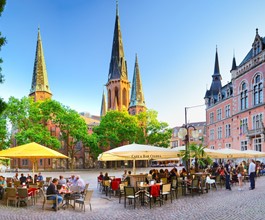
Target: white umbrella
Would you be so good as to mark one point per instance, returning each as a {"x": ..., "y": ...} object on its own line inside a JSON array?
[
  {"x": 137, "y": 152},
  {"x": 231, "y": 153},
  {"x": 253, "y": 153}
]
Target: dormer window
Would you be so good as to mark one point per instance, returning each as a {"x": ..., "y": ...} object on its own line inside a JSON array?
[
  {"x": 219, "y": 96},
  {"x": 228, "y": 92},
  {"x": 212, "y": 100}
]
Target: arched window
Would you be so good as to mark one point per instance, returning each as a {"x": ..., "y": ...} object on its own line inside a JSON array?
[
  {"x": 258, "y": 90},
  {"x": 243, "y": 96},
  {"x": 117, "y": 96},
  {"x": 109, "y": 99}
]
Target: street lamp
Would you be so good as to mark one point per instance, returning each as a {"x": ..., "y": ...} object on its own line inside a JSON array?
[{"x": 184, "y": 134}]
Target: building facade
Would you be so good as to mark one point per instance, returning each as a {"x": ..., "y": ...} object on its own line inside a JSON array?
[
  {"x": 235, "y": 111},
  {"x": 175, "y": 141}
]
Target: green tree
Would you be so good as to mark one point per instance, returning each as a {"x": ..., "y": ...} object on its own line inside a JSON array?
[
  {"x": 73, "y": 131},
  {"x": 116, "y": 128},
  {"x": 4, "y": 138},
  {"x": 152, "y": 131},
  {"x": 29, "y": 122}
]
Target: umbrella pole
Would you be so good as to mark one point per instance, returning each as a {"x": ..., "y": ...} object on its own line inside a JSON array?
[{"x": 134, "y": 170}]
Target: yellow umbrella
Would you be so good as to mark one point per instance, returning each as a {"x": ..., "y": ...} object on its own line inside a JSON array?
[{"x": 31, "y": 151}]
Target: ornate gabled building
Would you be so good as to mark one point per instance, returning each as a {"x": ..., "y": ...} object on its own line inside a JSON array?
[
  {"x": 40, "y": 89},
  {"x": 118, "y": 85},
  {"x": 235, "y": 111}
]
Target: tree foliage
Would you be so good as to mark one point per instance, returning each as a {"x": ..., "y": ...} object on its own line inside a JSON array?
[
  {"x": 29, "y": 122},
  {"x": 116, "y": 128},
  {"x": 152, "y": 131}
]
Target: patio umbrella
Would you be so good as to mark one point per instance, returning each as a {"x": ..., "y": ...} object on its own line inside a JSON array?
[
  {"x": 253, "y": 153},
  {"x": 137, "y": 152},
  {"x": 31, "y": 151},
  {"x": 231, "y": 153}
]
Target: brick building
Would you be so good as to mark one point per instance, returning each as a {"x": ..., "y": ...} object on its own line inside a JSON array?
[{"x": 235, "y": 111}]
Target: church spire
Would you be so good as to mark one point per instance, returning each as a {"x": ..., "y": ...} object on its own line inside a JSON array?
[
  {"x": 40, "y": 89},
  {"x": 234, "y": 66},
  {"x": 137, "y": 102},
  {"x": 216, "y": 79},
  {"x": 103, "y": 110},
  {"x": 118, "y": 66}
]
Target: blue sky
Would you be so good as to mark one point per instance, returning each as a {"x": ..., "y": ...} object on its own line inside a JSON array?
[{"x": 175, "y": 42}]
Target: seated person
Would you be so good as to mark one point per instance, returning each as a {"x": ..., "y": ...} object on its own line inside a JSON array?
[
  {"x": 29, "y": 179},
  {"x": 22, "y": 179},
  {"x": 2, "y": 187},
  {"x": 72, "y": 180},
  {"x": 16, "y": 178},
  {"x": 124, "y": 175},
  {"x": 128, "y": 178},
  {"x": 183, "y": 172},
  {"x": 106, "y": 177},
  {"x": 35, "y": 178},
  {"x": 80, "y": 182},
  {"x": 52, "y": 189},
  {"x": 62, "y": 180},
  {"x": 100, "y": 177},
  {"x": 40, "y": 177}
]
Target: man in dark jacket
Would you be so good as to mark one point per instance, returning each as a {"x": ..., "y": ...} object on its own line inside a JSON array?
[{"x": 52, "y": 190}]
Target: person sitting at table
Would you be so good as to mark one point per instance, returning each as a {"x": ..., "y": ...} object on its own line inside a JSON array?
[
  {"x": 80, "y": 182},
  {"x": 52, "y": 189},
  {"x": 40, "y": 177},
  {"x": 62, "y": 180},
  {"x": 128, "y": 178},
  {"x": 16, "y": 178},
  {"x": 106, "y": 177},
  {"x": 22, "y": 179},
  {"x": 2, "y": 187},
  {"x": 183, "y": 172},
  {"x": 100, "y": 177},
  {"x": 124, "y": 175},
  {"x": 149, "y": 176},
  {"x": 72, "y": 180},
  {"x": 35, "y": 178}
]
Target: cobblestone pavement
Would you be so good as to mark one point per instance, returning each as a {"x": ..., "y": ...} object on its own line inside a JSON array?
[{"x": 217, "y": 204}]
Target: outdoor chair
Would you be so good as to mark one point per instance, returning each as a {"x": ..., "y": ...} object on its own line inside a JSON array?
[
  {"x": 11, "y": 195},
  {"x": 210, "y": 182},
  {"x": 114, "y": 187},
  {"x": 130, "y": 194},
  {"x": 174, "y": 187},
  {"x": 46, "y": 199},
  {"x": 194, "y": 187},
  {"x": 17, "y": 183},
  {"x": 23, "y": 196},
  {"x": 121, "y": 191},
  {"x": 83, "y": 193},
  {"x": 163, "y": 180},
  {"x": 219, "y": 181},
  {"x": 85, "y": 200},
  {"x": 106, "y": 186},
  {"x": 165, "y": 191},
  {"x": 203, "y": 186},
  {"x": 153, "y": 194},
  {"x": 36, "y": 192}
]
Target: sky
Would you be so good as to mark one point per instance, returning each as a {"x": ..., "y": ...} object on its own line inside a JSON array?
[{"x": 175, "y": 42}]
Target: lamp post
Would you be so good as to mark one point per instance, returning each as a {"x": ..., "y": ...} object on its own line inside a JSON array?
[{"x": 184, "y": 135}]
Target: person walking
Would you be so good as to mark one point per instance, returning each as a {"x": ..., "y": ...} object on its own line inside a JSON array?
[
  {"x": 251, "y": 173},
  {"x": 240, "y": 173},
  {"x": 227, "y": 175}
]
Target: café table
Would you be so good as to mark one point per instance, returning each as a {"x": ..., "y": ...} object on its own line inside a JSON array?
[{"x": 154, "y": 191}]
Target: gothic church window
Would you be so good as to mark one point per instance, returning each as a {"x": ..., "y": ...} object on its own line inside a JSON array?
[
  {"x": 243, "y": 96},
  {"x": 258, "y": 90}
]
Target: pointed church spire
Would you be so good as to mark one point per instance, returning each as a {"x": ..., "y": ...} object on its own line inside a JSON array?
[
  {"x": 117, "y": 8},
  {"x": 216, "y": 81},
  {"x": 234, "y": 66},
  {"x": 216, "y": 65},
  {"x": 40, "y": 86},
  {"x": 118, "y": 66},
  {"x": 137, "y": 94},
  {"x": 103, "y": 110}
]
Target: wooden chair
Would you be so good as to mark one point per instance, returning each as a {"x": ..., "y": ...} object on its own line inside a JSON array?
[
  {"x": 163, "y": 180},
  {"x": 121, "y": 191},
  {"x": 11, "y": 195},
  {"x": 36, "y": 192},
  {"x": 130, "y": 194},
  {"x": 174, "y": 187},
  {"x": 194, "y": 187},
  {"x": 17, "y": 183},
  {"x": 85, "y": 200},
  {"x": 106, "y": 186},
  {"x": 46, "y": 199},
  {"x": 165, "y": 191},
  {"x": 23, "y": 196}
]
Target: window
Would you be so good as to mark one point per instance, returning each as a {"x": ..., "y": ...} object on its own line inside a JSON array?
[
  {"x": 49, "y": 161},
  {"x": 219, "y": 96},
  {"x": 243, "y": 126},
  {"x": 212, "y": 134},
  {"x": 174, "y": 144},
  {"x": 243, "y": 96},
  {"x": 228, "y": 145},
  {"x": 257, "y": 121},
  {"x": 175, "y": 134},
  {"x": 41, "y": 162},
  {"x": 257, "y": 144},
  {"x": 219, "y": 132},
  {"x": 227, "y": 130},
  {"x": 219, "y": 114},
  {"x": 24, "y": 162},
  {"x": 258, "y": 90},
  {"x": 227, "y": 111},
  {"x": 211, "y": 117},
  {"x": 212, "y": 147},
  {"x": 244, "y": 145},
  {"x": 228, "y": 92}
]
